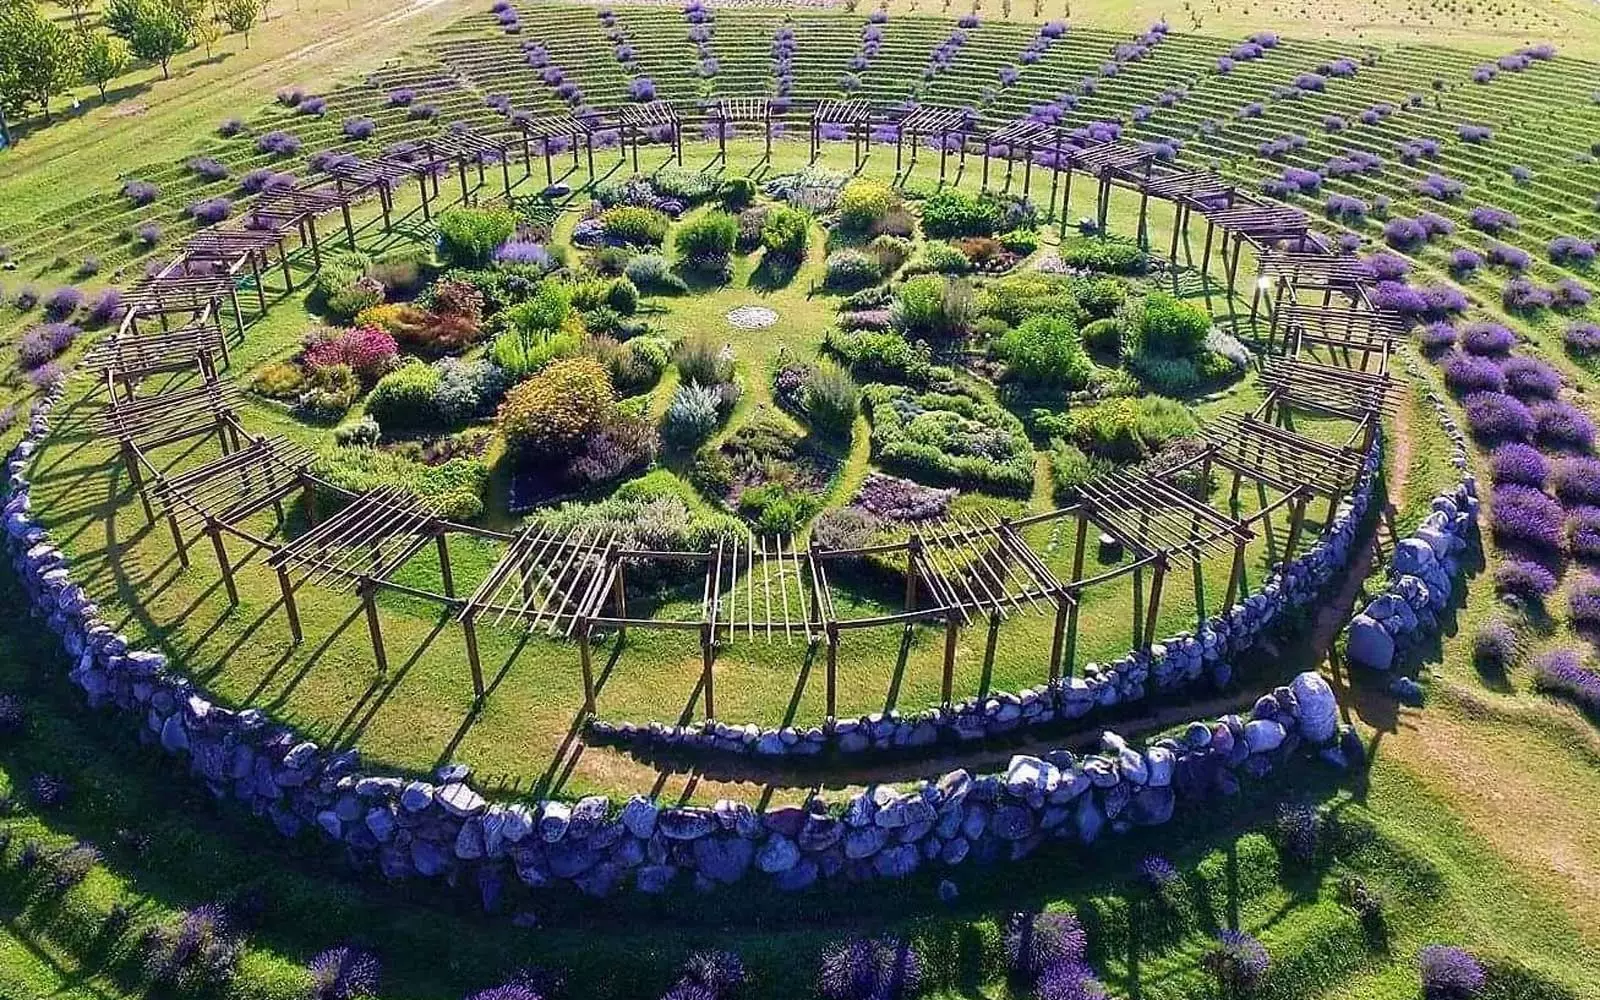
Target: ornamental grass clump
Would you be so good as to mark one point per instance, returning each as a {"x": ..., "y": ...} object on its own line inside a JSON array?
[
  {"x": 870, "y": 969},
  {"x": 344, "y": 973},
  {"x": 1238, "y": 961},
  {"x": 1523, "y": 514},
  {"x": 1449, "y": 973},
  {"x": 1564, "y": 426},
  {"x": 1495, "y": 416},
  {"x": 1564, "y": 672}
]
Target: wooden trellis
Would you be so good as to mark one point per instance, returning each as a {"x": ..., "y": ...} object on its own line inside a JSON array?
[
  {"x": 358, "y": 550},
  {"x": 219, "y": 494},
  {"x": 547, "y": 127},
  {"x": 234, "y": 249},
  {"x": 461, "y": 146},
  {"x": 855, "y": 115},
  {"x": 730, "y": 111},
  {"x": 126, "y": 358},
  {"x": 172, "y": 292},
  {"x": 1027, "y": 136},
  {"x": 1331, "y": 390},
  {"x": 1344, "y": 329},
  {"x": 298, "y": 209},
  {"x": 640, "y": 118},
  {"x": 145, "y": 424},
  {"x": 381, "y": 175},
  {"x": 1259, "y": 225},
  {"x": 930, "y": 119}
]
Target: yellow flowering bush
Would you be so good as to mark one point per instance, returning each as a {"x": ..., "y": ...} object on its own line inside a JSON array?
[{"x": 551, "y": 414}]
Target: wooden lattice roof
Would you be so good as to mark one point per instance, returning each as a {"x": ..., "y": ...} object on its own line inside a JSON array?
[
  {"x": 1333, "y": 389},
  {"x": 236, "y": 485},
  {"x": 929, "y": 119},
  {"x": 126, "y": 355},
  {"x": 168, "y": 417},
  {"x": 369, "y": 539},
  {"x": 1282, "y": 458},
  {"x": 849, "y": 112},
  {"x": 1311, "y": 269},
  {"x": 1152, "y": 516}
]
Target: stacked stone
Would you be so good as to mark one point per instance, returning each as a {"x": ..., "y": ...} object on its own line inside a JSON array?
[
  {"x": 1422, "y": 572},
  {"x": 446, "y": 830},
  {"x": 1185, "y": 660}
]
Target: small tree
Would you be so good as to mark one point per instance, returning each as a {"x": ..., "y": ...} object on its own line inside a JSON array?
[
  {"x": 208, "y": 31},
  {"x": 159, "y": 33},
  {"x": 241, "y": 15},
  {"x": 79, "y": 9},
  {"x": 105, "y": 57},
  {"x": 40, "y": 60}
]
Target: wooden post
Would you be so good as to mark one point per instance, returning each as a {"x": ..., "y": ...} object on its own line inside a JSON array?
[
  {"x": 1234, "y": 575},
  {"x": 369, "y": 598},
  {"x": 444, "y": 566},
  {"x": 1205, "y": 254},
  {"x": 1296, "y": 522},
  {"x": 833, "y": 670},
  {"x": 1138, "y": 607},
  {"x": 619, "y": 600},
  {"x": 177, "y": 538},
  {"x": 586, "y": 661},
  {"x": 952, "y": 633},
  {"x": 707, "y": 652},
  {"x": 222, "y": 561},
  {"x": 1154, "y": 609},
  {"x": 913, "y": 553},
  {"x": 1057, "y": 635},
  {"x": 461, "y": 172},
  {"x": 1072, "y": 611},
  {"x": 131, "y": 461},
  {"x": 289, "y": 607},
  {"x": 470, "y": 629}
]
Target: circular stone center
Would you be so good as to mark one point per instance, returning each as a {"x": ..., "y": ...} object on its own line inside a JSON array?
[{"x": 752, "y": 317}]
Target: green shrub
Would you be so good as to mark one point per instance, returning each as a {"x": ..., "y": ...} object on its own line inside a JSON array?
[
  {"x": 693, "y": 414},
  {"x": 1103, "y": 335},
  {"x": 652, "y": 272},
  {"x": 403, "y": 400},
  {"x": 403, "y": 270},
  {"x": 1021, "y": 242},
  {"x": 520, "y": 355},
  {"x": 1105, "y": 254},
  {"x": 786, "y": 232},
  {"x": 1164, "y": 325},
  {"x": 634, "y": 225},
  {"x": 851, "y": 269},
  {"x": 457, "y": 485},
  {"x": 939, "y": 258},
  {"x": 1070, "y": 468},
  {"x": 777, "y": 508},
  {"x": 951, "y": 438},
  {"x": 706, "y": 242},
  {"x": 362, "y": 433},
  {"x": 1016, "y": 297},
  {"x": 891, "y": 251},
  {"x": 279, "y": 380},
  {"x": 737, "y": 192},
  {"x": 344, "y": 289},
  {"x": 1102, "y": 297},
  {"x": 863, "y": 203},
  {"x": 831, "y": 399},
  {"x": 950, "y": 213},
  {"x": 881, "y": 356},
  {"x": 551, "y": 414},
  {"x": 634, "y": 366},
  {"x": 685, "y": 184},
  {"x": 1126, "y": 430},
  {"x": 1045, "y": 350},
  {"x": 1168, "y": 376},
  {"x": 545, "y": 311},
  {"x": 934, "y": 306},
  {"x": 330, "y": 393},
  {"x": 623, "y": 296},
  {"x": 469, "y": 236}
]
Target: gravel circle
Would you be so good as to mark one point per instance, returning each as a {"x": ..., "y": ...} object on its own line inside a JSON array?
[{"x": 752, "y": 317}]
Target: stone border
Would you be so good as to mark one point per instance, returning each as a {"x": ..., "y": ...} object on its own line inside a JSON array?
[
  {"x": 1423, "y": 570},
  {"x": 1182, "y": 661},
  {"x": 407, "y": 829}
]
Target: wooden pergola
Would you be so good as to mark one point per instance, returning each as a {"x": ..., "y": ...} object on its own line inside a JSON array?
[
  {"x": 639, "y": 119},
  {"x": 358, "y": 550},
  {"x": 1340, "y": 328},
  {"x": 552, "y": 126},
  {"x": 1259, "y": 225},
  {"x": 931, "y": 120},
  {"x": 217, "y": 495},
  {"x": 1330, "y": 390},
  {"x": 1028, "y": 136},
  {"x": 234, "y": 249},
  {"x": 173, "y": 292},
  {"x": 142, "y": 425},
  {"x": 732, "y": 111},
  {"x": 381, "y": 175},
  {"x": 126, "y": 358},
  {"x": 854, "y": 115},
  {"x": 1110, "y": 163}
]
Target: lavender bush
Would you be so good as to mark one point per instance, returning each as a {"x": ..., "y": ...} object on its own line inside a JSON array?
[
  {"x": 1519, "y": 464},
  {"x": 344, "y": 973},
  {"x": 1560, "y": 672},
  {"x": 1562, "y": 425},
  {"x": 1448, "y": 973},
  {"x": 45, "y": 342},
  {"x": 63, "y": 303},
  {"x": 1495, "y": 416},
  {"x": 1583, "y": 532},
  {"x": 1238, "y": 961},
  {"x": 1036, "y": 941},
  {"x": 902, "y": 499},
  {"x": 1523, "y": 514},
  {"x": 1525, "y": 577},
  {"x": 870, "y": 969},
  {"x": 1530, "y": 379}
]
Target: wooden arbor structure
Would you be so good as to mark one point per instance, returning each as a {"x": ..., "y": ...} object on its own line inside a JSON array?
[
  {"x": 642, "y": 119},
  {"x": 1029, "y": 137},
  {"x": 854, "y": 116},
  {"x": 1259, "y": 225},
  {"x": 557, "y": 126},
  {"x": 359, "y": 549},
  {"x": 931, "y": 120},
  {"x": 142, "y": 425},
  {"x": 461, "y": 146},
  {"x": 126, "y": 359}
]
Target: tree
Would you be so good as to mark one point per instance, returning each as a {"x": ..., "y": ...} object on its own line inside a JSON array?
[
  {"x": 241, "y": 15},
  {"x": 158, "y": 33},
  {"x": 105, "y": 57},
  {"x": 208, "y": 31},
  {"x": 38, "y": 60},
  {"x": 78, "y": 9}
]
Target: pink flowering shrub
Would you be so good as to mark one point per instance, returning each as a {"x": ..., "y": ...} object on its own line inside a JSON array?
[{"x": 368, "y": 351}]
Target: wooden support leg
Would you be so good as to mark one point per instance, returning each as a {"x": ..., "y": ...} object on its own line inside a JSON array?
[
  {"x": 470, "y": 629},
  {"x": 707, "y": 656},
  {"x": 223, "y": 563},
  {"x": 289, "y": 607},
  {"x": 1138, "y": 609},
  {"x": 131, "y": 462},
  {"x": 586, "y": 661},
  {"x": 833, "y": 671},
  {"x": 952, "y": 633},
  {"x": 444, "y": 566},
  {"x": 369, "y": 598},
  {"x": 177, "y": 540},
  {"x": 1070, "y": 654},
  {"x": 1297, "y": 519},
  {"x": 1234, "y": 576},
  {"x": 1154, "y": 610},
  {"x": 1056, "y": 638}
]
